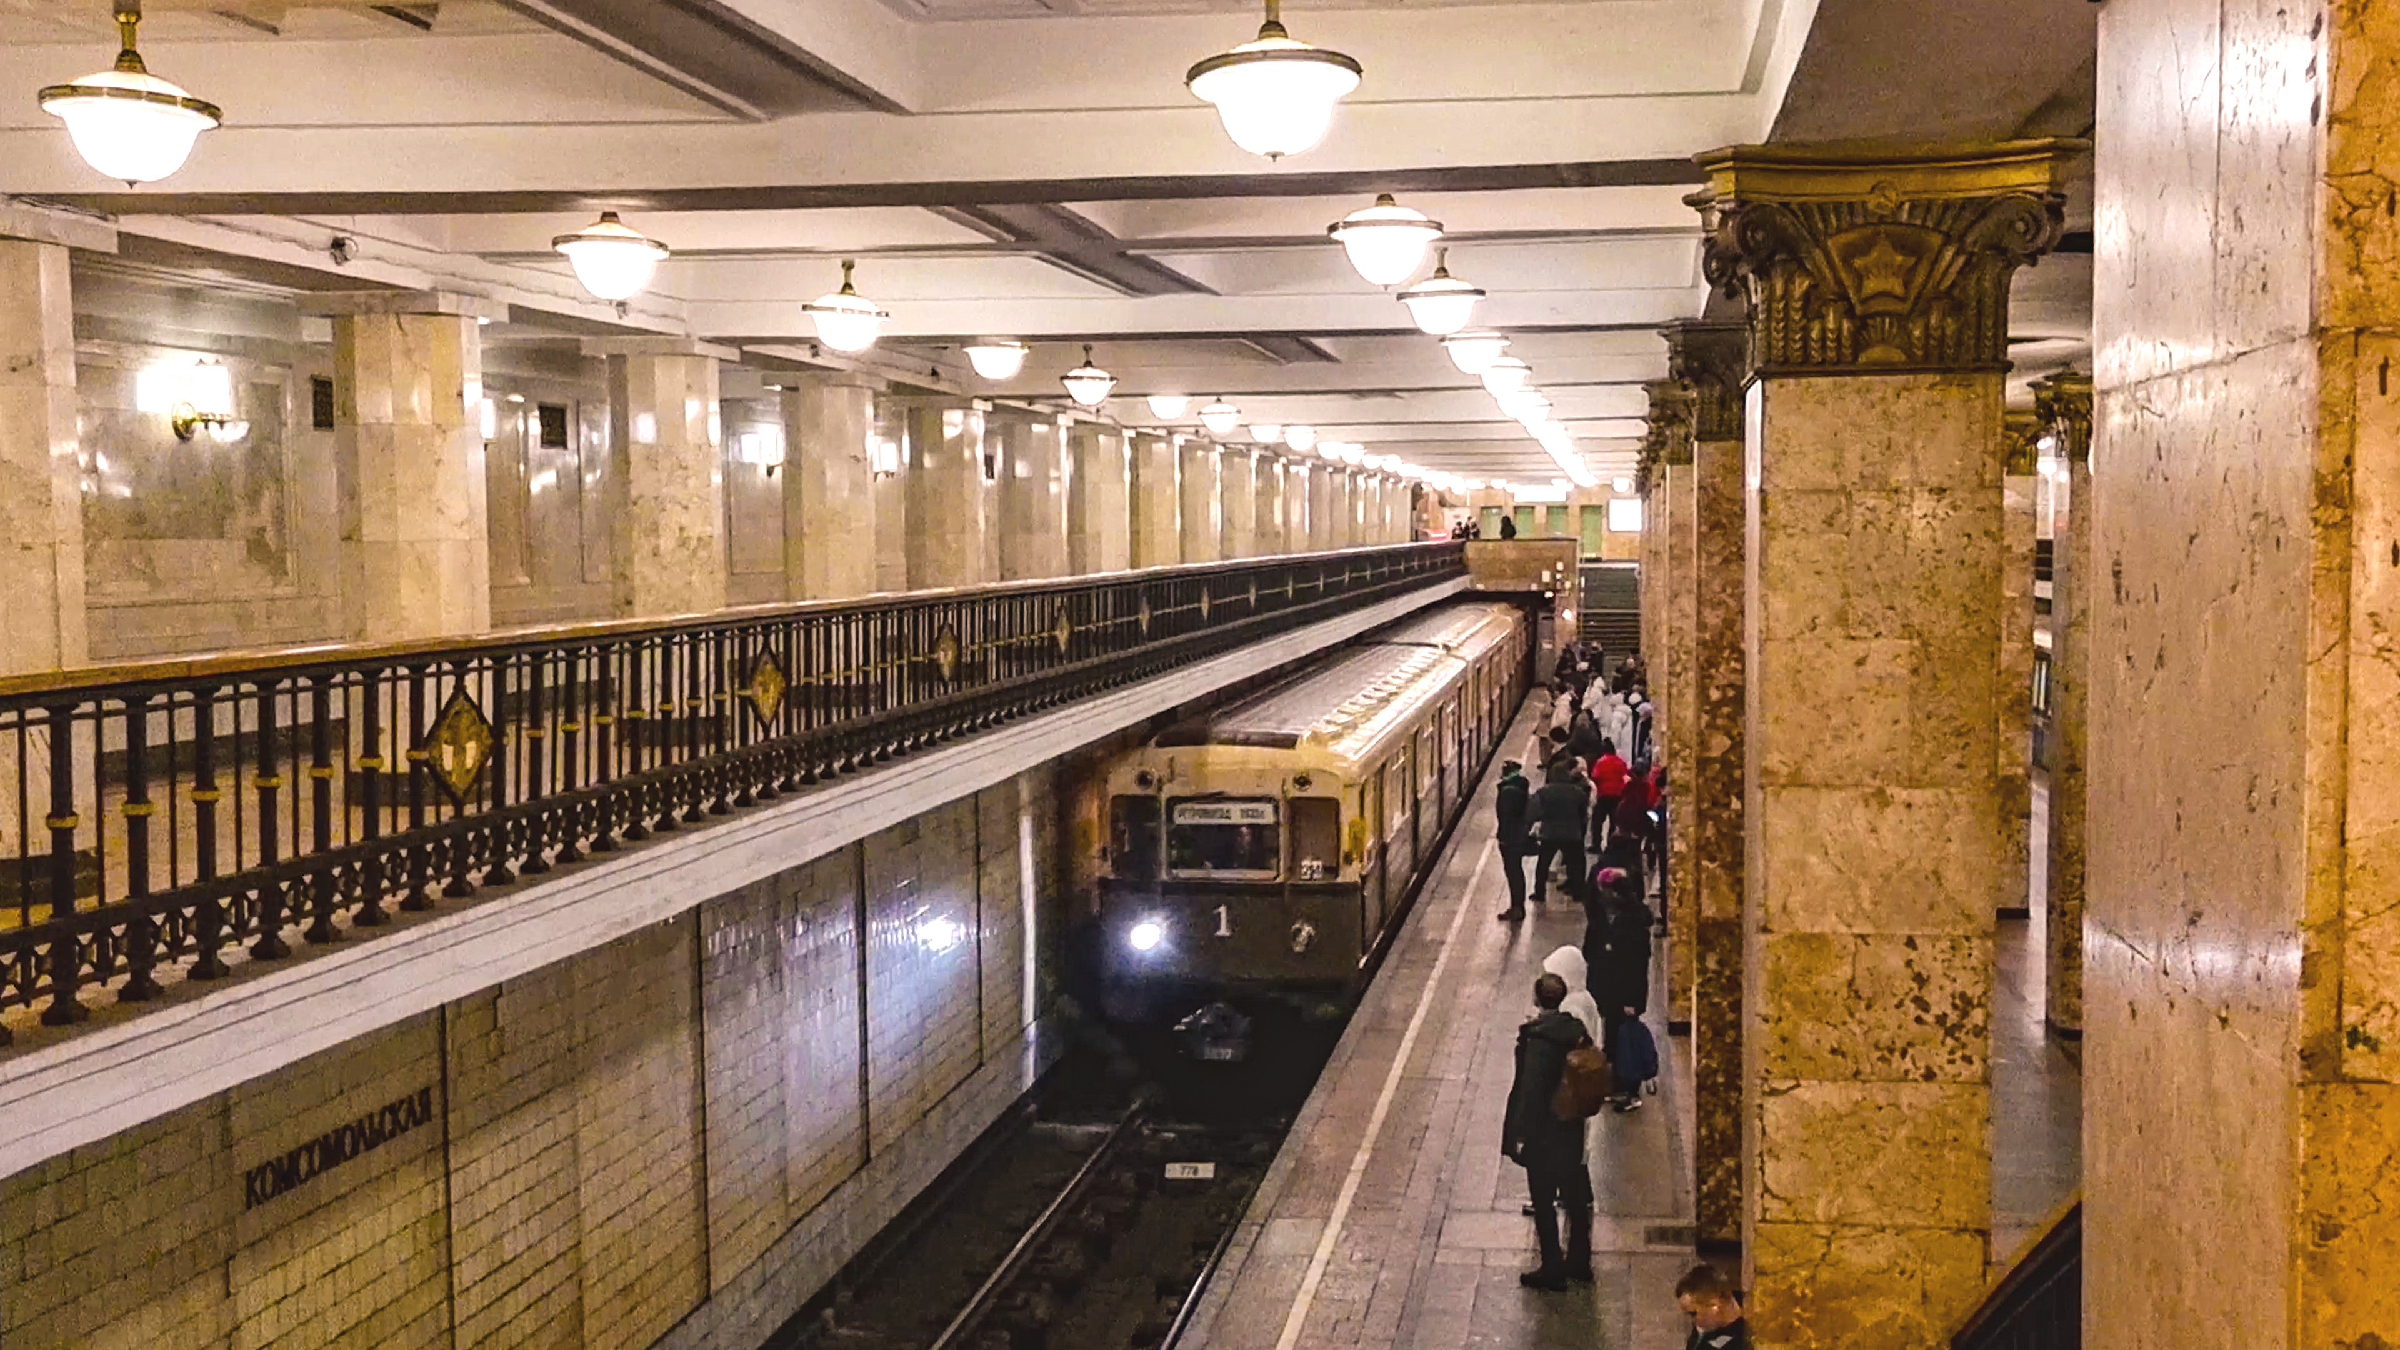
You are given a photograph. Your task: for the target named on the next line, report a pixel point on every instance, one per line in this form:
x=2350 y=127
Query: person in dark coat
x=1508 y=527
x=1512 y=805
x=1584 y=740
x=1616 y=958
x=1629 y=827
x=1549 y=1149
x=1559 y=812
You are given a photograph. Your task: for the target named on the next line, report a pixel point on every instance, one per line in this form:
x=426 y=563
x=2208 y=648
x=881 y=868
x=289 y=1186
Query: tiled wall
x=666 y=1140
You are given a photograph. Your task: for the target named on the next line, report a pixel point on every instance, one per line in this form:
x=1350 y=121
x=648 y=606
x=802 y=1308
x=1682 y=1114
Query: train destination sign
x=336 y=1146
x=1224 y=813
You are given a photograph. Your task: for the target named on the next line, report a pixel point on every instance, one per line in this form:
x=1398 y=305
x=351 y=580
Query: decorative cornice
x=2064 y=404
x=1669 y=439
x=1879 y=263
x=1712 y=362
x=2020 y=442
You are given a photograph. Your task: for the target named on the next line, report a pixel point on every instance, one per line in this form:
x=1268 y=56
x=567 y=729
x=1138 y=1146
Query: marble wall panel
x=756 y=455
x=1157 y=500
x=891 y=496
x=1099 y=505
x=1711 y=794
x=1034 y=480
x=1678 y=737
x=2074 y=581
x=669 y=436
x=1201 y=521
x=952 y=538
x=1237 y=507
x=2014 y=683
x=830 y=539
x=408 y=412
x=552 y=490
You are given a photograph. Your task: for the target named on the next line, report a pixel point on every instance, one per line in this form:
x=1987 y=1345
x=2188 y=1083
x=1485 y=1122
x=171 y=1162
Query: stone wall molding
x=1712 y=362
x=1879 y=263
x=1669 y=438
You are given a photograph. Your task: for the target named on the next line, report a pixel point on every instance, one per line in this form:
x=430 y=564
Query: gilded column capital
x=1867 y=263
x=2064 y=404
x=2020 y=440
x=1712 y=363
x=1669 y=439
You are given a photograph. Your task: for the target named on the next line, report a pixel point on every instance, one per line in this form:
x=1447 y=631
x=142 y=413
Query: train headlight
x=1146 y=935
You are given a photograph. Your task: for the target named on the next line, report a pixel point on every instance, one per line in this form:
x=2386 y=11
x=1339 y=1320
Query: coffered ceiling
x=1035 y=169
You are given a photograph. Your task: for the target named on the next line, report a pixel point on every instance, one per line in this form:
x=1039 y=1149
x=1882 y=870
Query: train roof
x=1350 y=700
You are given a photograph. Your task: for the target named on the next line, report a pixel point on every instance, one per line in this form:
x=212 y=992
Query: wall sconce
x=883 y=456
x=193 y=396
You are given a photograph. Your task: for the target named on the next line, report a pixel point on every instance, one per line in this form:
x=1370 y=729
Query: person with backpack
x=1616 y=950
x=1548 y=1143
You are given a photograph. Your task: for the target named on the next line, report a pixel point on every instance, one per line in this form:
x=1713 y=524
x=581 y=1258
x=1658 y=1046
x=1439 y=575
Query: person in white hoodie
x=1567 y=964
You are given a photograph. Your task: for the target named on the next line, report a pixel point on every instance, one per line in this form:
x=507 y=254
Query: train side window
x=1133 y=838
x=1395 y=793
x=1316 y=838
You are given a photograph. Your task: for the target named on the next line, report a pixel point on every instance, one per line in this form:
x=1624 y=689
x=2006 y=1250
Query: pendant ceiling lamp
x=1387 y=241
x=1441 y=304
x=1088 y=384
x=1267 y=433
x=846 y=321
x=1300 y=438
x=997 y=359
x=1220 y=418
x=125 y=121
x=1529 y=406
x=1505 y=375
x=1275 y=96
x=1169 y=406
x=1473 y=349
x=611 y=259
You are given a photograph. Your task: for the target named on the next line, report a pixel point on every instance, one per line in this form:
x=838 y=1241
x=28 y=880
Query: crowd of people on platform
x=1602 y=786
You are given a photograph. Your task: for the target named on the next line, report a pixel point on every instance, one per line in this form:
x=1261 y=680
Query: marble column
x=1157 y=500
x=1675 y=723
x=1878 y=293
x=408 y=433
x=1268 y=535
x=2241 y=941
x=2064 y=403
x=1032 y=452
x=1711 y=362
x=828 y=486
x=41 y=580
x=2020 y=434
x=668 y=535
x=952 y=532
x=1650 y=485
x=1202 y=523
x=1324 y=509
x=1237 y=513
x=1099 y=500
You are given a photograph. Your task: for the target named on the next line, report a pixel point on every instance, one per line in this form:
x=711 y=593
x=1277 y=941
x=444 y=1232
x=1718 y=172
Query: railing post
x=66 y=952
x=320 y=791
x=533 y=839
x=373 y=874
x=141 y=931
x=570 y=726
x=269 y=945
x=208 y=926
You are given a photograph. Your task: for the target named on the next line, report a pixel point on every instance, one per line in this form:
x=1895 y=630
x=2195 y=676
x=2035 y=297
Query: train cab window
x=1316 y=838
x=1223 y=837
x=1133 y=838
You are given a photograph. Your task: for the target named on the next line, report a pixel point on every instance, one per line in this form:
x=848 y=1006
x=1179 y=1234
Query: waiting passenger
x=1548 y=1148
x=1560 y=811
x=1709 y=1299
x=1616 y=949
x=1512 y=808
x=1583 y=737
x=1567 y=963
x=1608 y=784
x=1508 y=527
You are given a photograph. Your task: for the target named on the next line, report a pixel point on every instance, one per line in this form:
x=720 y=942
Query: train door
x=1372 y=871
x=1399 y=832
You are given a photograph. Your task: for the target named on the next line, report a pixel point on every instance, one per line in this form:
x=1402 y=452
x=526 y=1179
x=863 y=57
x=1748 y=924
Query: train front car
x=1267 y=848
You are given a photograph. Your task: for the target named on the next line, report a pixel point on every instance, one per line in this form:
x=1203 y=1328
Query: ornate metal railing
x=167 y=821
x=2038 y=1304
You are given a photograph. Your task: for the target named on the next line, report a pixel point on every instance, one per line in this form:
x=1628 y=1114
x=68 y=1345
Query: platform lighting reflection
x=940 y=935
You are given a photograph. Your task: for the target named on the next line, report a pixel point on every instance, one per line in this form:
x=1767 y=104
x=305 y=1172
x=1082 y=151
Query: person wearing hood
x=1512 y=808
x=1549 y=1149
x=1567 y=963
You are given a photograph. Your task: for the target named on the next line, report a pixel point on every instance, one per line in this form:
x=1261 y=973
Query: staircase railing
x=163 y=821
x=2038 y=1303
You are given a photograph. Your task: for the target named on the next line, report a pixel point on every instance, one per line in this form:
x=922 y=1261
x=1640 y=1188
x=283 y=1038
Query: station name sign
x=336 y=1146
x=1224 y=813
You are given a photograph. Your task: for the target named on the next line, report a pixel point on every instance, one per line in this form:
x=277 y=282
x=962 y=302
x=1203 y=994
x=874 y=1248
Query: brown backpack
x=1584 y=1083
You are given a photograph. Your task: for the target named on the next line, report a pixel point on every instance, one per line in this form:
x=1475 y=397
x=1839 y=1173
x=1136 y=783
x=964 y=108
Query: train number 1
x=1224 y=923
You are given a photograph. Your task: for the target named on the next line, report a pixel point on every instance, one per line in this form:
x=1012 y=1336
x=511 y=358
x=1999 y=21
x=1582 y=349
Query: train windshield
x=1224 y=837
x=1133 y=838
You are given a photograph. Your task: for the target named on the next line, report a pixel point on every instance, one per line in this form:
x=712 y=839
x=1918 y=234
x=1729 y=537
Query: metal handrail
x=2037 y=1303
x=154 y=818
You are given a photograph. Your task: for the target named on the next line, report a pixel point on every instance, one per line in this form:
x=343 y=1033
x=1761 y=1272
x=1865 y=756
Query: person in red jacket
x=1609 y=776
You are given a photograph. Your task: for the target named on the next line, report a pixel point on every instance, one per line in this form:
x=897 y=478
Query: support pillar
x=1675 y=689
x=1202 y=526
x=1711 y=362
x=408 y=420
x=2064 y=403
x=828 y=487
x=1267 y=513
x=1651 y=486
x=1099 y=506
x=41 y=561
x=1157 y=501
x=2021 y=432
x=1324 y=520
x=950 y=508
x=667 y=440
x=1236 y=513
x=1032 y=453
x=1878 y=293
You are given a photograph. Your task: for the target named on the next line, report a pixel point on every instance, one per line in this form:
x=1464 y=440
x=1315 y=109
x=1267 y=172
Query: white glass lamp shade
x=1505 y=375
x=1473 y=349
x=997 y=360
x=1387 y=241
x=1300 y=438
x=612 y=260
x=127 y=122
x=1220 y=418
x=1529 y=406
x=846 y=321
x=1088 y=384
x=1275 y=95
x=1169 y=406
x=1621 y=484
x=1441 y=304
x=1267 y=433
